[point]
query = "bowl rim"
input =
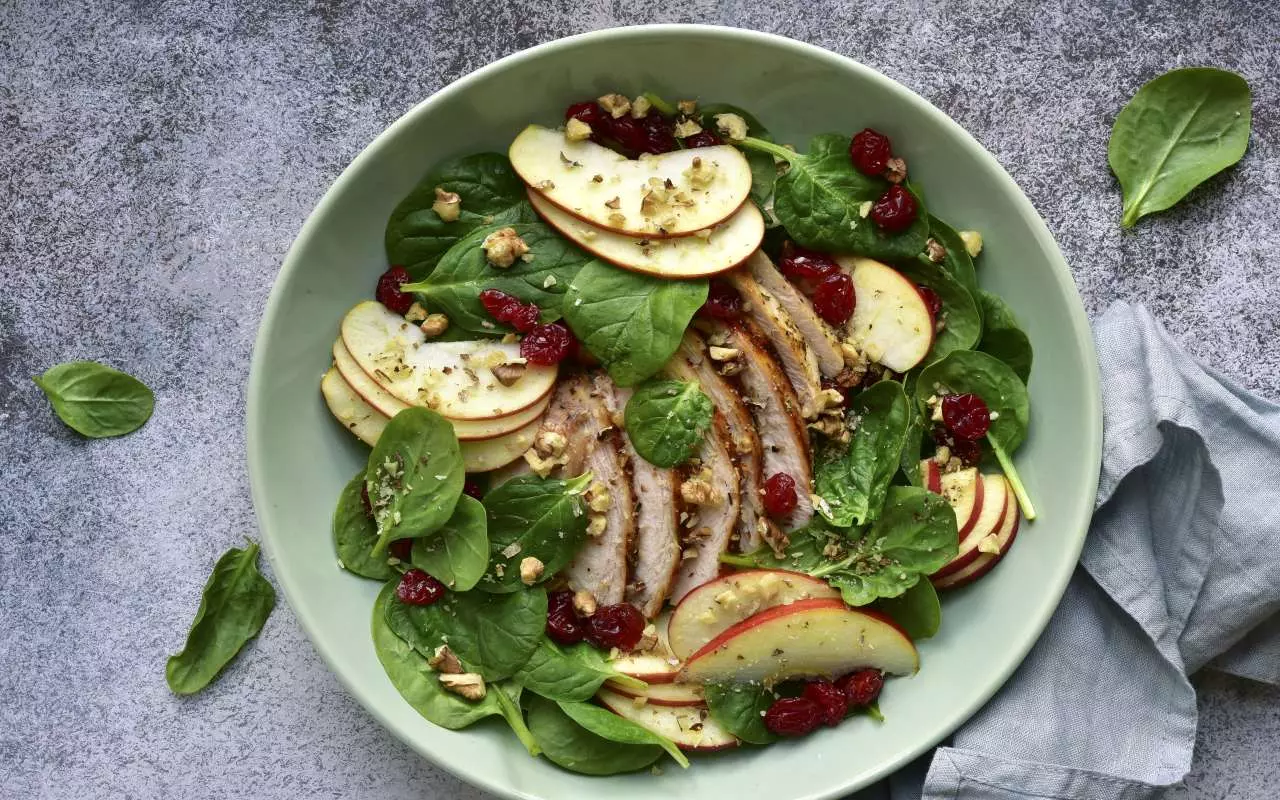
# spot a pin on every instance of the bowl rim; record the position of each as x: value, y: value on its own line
x: 1083, y: 336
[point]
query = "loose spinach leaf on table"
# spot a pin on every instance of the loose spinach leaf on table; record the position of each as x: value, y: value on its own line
x: 957, y: 261
x: 633, y: 323
x: 414, y: 477
x: 852, y: 479
x: 608, y: 725
x: 1003, y: 337
x: 572, y: 674
x: 739, y: 708
x: 540, y: 277
x: 491, y: 193
x: 916, y: 610
x: 1176, y: 132
x: 233, y: 609
x: 95, y: 400
x: 820, y: 200
x: 764, y: 172
x: 666, y: 421
x: 569, y: 745
x: 355, y: 533
x: 960, y: 317
x: 492, y: 634
x: 458, y: 554
x: 531, y: 516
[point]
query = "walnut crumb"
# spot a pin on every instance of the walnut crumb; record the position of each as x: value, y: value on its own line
x: 640, y: 107
x: 615, y: 203
x: 895, y: 170
x: 584, y: 602
x: 723, y: 353
x: 416, y: 313
x: 508, y: 374
x: 596, y: 525
x: 648, y: 638
x: 502, y: 247
x: 697, y: 489
x: 448, y: 205
x: 575, y: 130
x: 686, y: 127
x: 597, y: 495
x: 616, y: 104
x: 732, y: 126
x: 468, y: 685
x: 530, y: 570
x: 444, y: 661
x: 972, y: 242
x: 434, y: 325
x: 687, y: 107
x: 934, y: 250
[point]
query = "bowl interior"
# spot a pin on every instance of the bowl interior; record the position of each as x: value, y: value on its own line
x: 299, y: 458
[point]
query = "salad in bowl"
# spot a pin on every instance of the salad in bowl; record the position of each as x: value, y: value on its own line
x: 677, y: 433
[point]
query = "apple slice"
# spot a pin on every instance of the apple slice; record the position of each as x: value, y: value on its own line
x: 454, y: 379
x: 690, y: 727
x: 483, y: 455
x: 663, y: 694
x: 709, y: 610
x: 1000, y: 542
x: 891, y: 324
x: 654, y: 196
x: 350, y: 408
x: 964, y: 490
x: 808, y: 638
x: 729, y: 244
x: 931, y: 475
x: 995, y: 507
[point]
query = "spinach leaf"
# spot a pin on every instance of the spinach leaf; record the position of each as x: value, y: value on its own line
x: 95, y: 400
x: 988, y: 377
x: 820, y: 199
x: 571, y: 673
x: 666, y: 421
x: 491, y: 193
x: 1003, y: 337
x: 852, y: 479
x: 957, y: 261
x: 631, y: 322
x: 1176, y: 132
x: 962, y: 322
x: 414, y: 476
x: 355, y: 533
x: 233, y: 608
x: 569, y: 745
x: 912, y: 445
x: 540, y: 277
x: 532, y: 516
x: 608, y: 725
x: 492, y: 634
x: 764, y: 172
x: 458, y: 554
x: 739, y: 708
x: 916, y: 610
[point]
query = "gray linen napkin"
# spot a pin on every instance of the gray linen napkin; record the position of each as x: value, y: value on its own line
x: 1181, y: 570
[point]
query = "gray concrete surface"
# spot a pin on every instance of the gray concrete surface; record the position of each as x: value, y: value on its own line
x: 156, y: 160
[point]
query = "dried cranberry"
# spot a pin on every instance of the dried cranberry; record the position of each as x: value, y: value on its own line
x: 800, y: 264
x: 793, y: 716
x: 870, y: 151
x: 472, y: 489
x: 401, y: 548
x: 659, y: 134
x: 895, y: 210
x: 388, y: 292
x: 417, y: 588
x: 830, y: 698
x: 723, y: 301
x: 620, y: 625
x: 510, y: 309
x: 931, y: 300
x: 563, y: 624
x: 861, y: 687
x: 591, y: 113
x: 704, y: 139
x: 966, y: 416
x: 969, y: 451
x: 547, y: 344
x: 779, y: 494
x: 833, y: 298
x: 364, y: 500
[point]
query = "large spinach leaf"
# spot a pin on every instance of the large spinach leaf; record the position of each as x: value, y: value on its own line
x: 95, y: 400
x: 961, y: 319
x: 739, y: 708
x: 912, y: 444
x: 988, y: 377
x: 608, y: 725
x: 852, y: 479
x: 355, y: 533
x: 541, y: 277
x: 764, y: 172
x: 233, y: 609
x: 667, y: 420
x: 491, y: 193
x: 531, y: 516
x: 1176, y: 132
x: 571, y: 673
x: 458, y: 554
x: 414, y: 477
x: 1003, y: 337
x: 569, y: 745
x: 917, y: 610
x: 633, y: 323
x: 492, y: 634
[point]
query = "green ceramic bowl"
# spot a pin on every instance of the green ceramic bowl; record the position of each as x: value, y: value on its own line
x: 299, y: 458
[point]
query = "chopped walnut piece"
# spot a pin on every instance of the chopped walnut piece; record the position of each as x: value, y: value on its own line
x: 530, y: 570
x: 584, y: 602
x: 616, y: 104
x: 416, y: 313
x: 687, y: 107
x: 615, y: 203
x: 448, y: 205
x: 972, y: 242
x: 723, y: 353
x: 502, y: 247
x: 596, y: 525
x: 598, y: 499
x: 731, y: 126
x: 550, y: 443
x: 617, y: 219
x: 508, y: 374
x: 686, y: 127
x: 444, y: 660
x: 934, y: 250
x: 640, y: 107
x: 832, y: 426
x: 434, y: 325
x: 648, y: 638
x: 575, y: 130
x: 697, y: 489
x: 895, y: 170
x: 700, y: 173
x: 468, y: 685
x: 828, y: 398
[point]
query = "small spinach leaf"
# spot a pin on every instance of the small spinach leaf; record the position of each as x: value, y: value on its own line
x: 916, y: 610
x: 233, y: 609
x: 666, y: 421
x: 608, y: 725
x: 957, y: 261
x: 459, y: 552
x: 852, y: 479
x: 764, y: 172
x: 1003, y: 337
x: 491, y: 193
x: 739, y: 708
x: 1176, y: 132
x: 95, y: 400
x: 961, y: 319
x: 631, y: 322
x: 531, y: 516
x: 355, y: 533
x: 912, y: 445
x: 569, y: 745
x: 414, y: 476
x: 571, y: 673
x: 988, y: 377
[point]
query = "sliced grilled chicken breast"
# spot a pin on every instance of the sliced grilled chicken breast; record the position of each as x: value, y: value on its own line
x: 795, y: 355
x: 713, y: 481
x: 820, y: 336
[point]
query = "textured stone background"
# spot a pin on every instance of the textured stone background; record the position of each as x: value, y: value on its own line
x: 155, y: 162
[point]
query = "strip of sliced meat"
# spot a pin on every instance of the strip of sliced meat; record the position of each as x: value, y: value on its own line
x: 557, y: 449
x: 601, y: 565
x: 821, y: 337
x: 655, y: 550
x: 713, y: 483
x: 693, y: 362
x: 795, y: 355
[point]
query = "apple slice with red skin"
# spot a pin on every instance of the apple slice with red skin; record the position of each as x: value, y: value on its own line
x: 891, y: 324
x: 931, y: 475
x: 717, y: 605
x: 648, y: 667
x: 663, y: 694
x: 808, y: 638
x: 995, y: 506
x: 964, y: 491
x: 985, y: 561
x: 690, y: 727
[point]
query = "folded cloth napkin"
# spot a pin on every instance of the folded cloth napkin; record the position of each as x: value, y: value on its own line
x: 1180, y: 570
